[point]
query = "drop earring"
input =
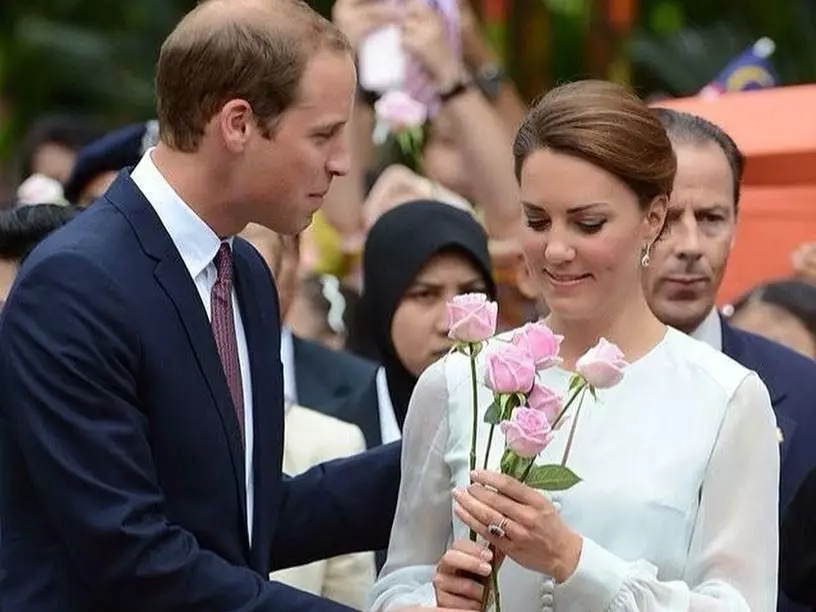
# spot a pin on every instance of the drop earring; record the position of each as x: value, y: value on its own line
x: 646, y: 259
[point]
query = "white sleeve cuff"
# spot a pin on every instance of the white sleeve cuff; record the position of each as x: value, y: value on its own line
x: 595, y: 582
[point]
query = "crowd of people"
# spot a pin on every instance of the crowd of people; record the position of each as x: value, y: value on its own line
x: 225, y: 363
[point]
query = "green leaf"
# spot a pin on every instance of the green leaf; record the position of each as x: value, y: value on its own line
x: 576, y: 381
x: 463, y: 349
x: 509, y: 463
x: 493, y: 415
x: 552, y: 478
x: 593, y: 392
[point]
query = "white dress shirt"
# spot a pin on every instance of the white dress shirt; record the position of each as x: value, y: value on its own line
x: 678, y: 503
x: 287, y: 353
x: 710, y: 330
x: 198, y: 244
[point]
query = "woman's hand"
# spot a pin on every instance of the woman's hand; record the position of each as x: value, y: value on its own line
x: 456, y: 582
x: 534, y: 534
x: 423, y: 36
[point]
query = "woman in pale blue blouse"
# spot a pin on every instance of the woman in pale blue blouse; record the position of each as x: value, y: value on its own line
x: 677, y: 509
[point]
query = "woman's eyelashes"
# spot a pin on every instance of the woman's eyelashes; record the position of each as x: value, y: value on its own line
x: 585, y: 226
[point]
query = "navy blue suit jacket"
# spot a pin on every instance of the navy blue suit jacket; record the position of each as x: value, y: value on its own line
x: 122, y: 462
x: 791, y: 382
x: 338, y: 384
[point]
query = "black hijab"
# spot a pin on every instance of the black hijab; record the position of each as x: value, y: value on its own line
x: 398, y: 246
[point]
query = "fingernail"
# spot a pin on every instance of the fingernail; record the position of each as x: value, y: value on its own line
x: 487, y: 555
x: 485, y: 569
x: 457, y: 493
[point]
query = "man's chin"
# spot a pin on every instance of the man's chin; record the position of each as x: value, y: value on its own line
x: 685, y: 315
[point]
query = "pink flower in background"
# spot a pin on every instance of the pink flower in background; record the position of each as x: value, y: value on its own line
x: 540, y: 341
x: 400, y: 111
x: 527, y: 433
x: 602, y: 366
x: 472, y: 318
x: 510, y: 369
x: 544, y: 400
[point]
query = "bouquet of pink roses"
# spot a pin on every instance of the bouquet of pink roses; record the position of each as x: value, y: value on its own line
x: 526, y: 411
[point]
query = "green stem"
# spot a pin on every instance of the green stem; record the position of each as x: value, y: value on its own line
x: 571, y: 399
x: 527, y: 471
x: 474, y: 430
x: 572, y: 431
x: 496, y: 595
x: 489, y: 444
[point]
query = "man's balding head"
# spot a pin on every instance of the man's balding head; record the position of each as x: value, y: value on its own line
x: 254, y: 50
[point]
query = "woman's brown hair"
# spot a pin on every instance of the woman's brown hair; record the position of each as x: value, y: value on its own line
x: 608, y: 126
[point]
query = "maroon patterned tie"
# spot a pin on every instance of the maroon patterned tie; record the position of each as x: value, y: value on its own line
x: 223, y: 326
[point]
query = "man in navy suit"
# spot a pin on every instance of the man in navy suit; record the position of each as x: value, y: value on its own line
x: 141, y: 418
x: 684, y: 275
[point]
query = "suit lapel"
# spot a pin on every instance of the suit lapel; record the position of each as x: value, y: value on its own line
x: 173, y: 277
x: 262, y: 331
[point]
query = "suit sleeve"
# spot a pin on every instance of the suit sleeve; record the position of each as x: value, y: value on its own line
x: 798, y: 545
x: 349, y: 578
x: 358, y: 498
x: 69, y: 367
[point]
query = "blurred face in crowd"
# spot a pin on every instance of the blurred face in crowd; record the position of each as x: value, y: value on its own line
x: 284, y: 175
x: 689, y: 261
x: 442, y: 159
x: 8, y: 272
x: 585, y: 235
x: 281, y: 254
x: 96, y: 188
x: 53, y: 160
x: 419, y: 329
x: 777, y: 324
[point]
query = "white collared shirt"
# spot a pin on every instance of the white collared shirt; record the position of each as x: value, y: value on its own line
x: 287, y: 353
x: 198, y: 244
x: 710, y: 330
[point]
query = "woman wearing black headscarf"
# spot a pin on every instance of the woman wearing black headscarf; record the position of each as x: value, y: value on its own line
x: 417, y: 257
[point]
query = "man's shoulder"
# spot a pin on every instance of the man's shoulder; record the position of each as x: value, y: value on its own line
x: 342, y: 363
x: 763, y: 355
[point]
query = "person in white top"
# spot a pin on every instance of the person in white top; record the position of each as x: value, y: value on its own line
x: 677, y: 509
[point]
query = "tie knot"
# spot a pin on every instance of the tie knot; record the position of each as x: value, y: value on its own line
x: 223, y: 263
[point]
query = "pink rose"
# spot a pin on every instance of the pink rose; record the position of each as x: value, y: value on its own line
x: 544, y: 400
x: 510, y: 369
x: 540, y: 341
x: 400, y: 111
x: 527, y: 433
x: 472, y: 317
x: 602, y: 366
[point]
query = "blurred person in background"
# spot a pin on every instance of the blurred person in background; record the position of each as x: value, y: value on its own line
x: 98, y: 163
x: 467, y: 146
x: 686, y: 268
x: 783, y: 311
x: 322, y: 310
x: 333, y: 382
x: 417, y: 257
x: 311, y: 438
x: 803, y: 260
x: 23, y: 228
x: 51, y: 145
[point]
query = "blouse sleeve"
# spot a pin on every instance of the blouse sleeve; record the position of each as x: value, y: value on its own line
x: 423, y: 521
x: 733, y: 558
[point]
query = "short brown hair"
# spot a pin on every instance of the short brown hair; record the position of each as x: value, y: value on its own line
x: 606, y: 125
x: 222, y: 51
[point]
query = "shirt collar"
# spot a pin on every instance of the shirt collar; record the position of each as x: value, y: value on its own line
x: 710, y: 330
x: 195, y: 241
x: 287, y: 351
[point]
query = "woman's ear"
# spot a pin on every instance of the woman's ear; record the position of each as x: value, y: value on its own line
x: 656, y: 218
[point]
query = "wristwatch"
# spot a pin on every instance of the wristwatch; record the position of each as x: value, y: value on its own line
x: 489, y: 78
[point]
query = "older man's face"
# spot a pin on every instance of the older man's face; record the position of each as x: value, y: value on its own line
x: 688, y: 263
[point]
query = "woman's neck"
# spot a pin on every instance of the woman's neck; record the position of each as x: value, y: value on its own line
x: 633, y: 327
